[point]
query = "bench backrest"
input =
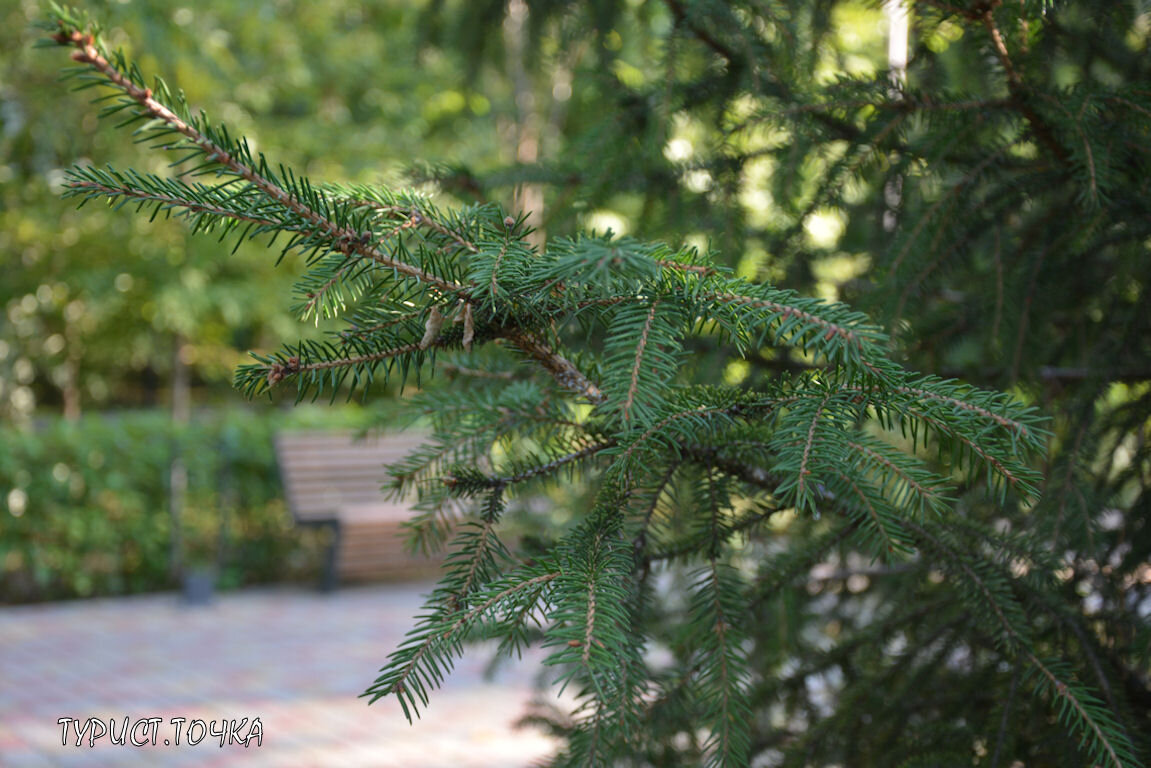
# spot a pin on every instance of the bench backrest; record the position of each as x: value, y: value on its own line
x: 325, y: 473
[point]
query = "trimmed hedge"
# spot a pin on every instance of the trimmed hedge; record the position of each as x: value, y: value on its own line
x: 84, y: 505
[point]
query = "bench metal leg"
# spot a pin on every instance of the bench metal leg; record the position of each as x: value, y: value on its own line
x: 330, y: 579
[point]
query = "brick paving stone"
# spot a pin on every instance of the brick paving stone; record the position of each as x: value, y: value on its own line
x: 294, y: 658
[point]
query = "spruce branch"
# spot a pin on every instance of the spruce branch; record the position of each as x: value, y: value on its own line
x: 1077, y: 705
x: 681, y: 16
x: 878, y: 524
x: 352, y: 243
x: 181, y: 199
x: 795, y: 320
x: 1015, y: 84
x: 523, y: 474
x: 809, y: 441
x: 423, y: 659
x: 923, y: 492
x: 722, y: 666
x: 413, y: 215
x: 629, y: 402
x: 684, y: 477
x: 232, y: 160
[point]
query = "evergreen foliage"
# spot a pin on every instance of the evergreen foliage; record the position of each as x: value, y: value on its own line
x: 583, y: 361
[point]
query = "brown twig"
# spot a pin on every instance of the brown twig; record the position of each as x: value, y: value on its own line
x: 583, y: 453
x: 1015, y: 85
x: 413, y: 212
x: 279, y: 371
x: 167, y: 201
x: 808, y: 443
x: 640, y: 346
x: 700, y: 269
x: 871, y: 511
x: 562, y: 370
x: 87, y: 53
x: 705, y: 37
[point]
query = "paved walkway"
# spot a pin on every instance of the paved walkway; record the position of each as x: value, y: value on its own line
x: 293, y: 658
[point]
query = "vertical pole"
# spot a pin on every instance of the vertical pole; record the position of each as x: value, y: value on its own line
x: 177, y: 470
x: 528, y: 197
x: 228, y: 491
x: 898, y: 29
x: 69, y: 371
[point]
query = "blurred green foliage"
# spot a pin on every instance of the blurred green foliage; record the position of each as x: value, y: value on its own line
x: 84, y: 504
x: 94, y: 305
x: 769, y: 131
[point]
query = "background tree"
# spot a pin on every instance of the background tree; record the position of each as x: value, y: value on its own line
x: 903, y: 633
x: 987, y: 201
x: 145, y: 316
x: 108, y: 334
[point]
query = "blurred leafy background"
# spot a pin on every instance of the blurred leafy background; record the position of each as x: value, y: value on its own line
x: 118, y: 336
x: 735, y: 127
x: 1011, y: 256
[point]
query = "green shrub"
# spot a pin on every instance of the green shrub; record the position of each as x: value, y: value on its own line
x: 84, y: 505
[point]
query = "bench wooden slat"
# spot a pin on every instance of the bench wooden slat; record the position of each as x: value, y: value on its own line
x: 329, y: 477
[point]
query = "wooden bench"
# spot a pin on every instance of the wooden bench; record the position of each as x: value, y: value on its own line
x: 333, y: 480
